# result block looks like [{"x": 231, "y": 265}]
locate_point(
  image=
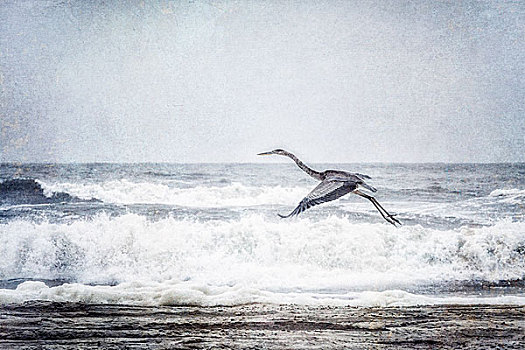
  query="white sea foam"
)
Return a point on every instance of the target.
[
  {"x": 179, "y": 293},
  {"x": 512, "y": 196},
  {"x": 259, "y": 254},
  {"x": 128, "y": 192},
  {"x": 506, "y": 192}
]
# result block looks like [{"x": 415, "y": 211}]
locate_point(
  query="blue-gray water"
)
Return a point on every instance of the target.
[{"x": 209, "y": 234}]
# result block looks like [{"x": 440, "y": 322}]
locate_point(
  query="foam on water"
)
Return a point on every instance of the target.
[
  {"x": 253, "y": 255},
  {"x": 178, "y": 293},
  {"x": 507, "y": 192},
  {"x": 513, "y": 196},
  {"x": 129, "y": 192}
]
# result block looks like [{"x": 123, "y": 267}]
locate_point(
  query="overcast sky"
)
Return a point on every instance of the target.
[{"x": 219, "y": 81}]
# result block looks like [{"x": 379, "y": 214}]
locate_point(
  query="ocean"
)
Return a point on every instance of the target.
[{"x": 209, "y": 235}]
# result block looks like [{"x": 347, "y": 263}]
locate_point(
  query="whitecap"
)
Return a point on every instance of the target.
[
  {"x": 129, "y": 192},
  {"x": 333, "y": 253}
]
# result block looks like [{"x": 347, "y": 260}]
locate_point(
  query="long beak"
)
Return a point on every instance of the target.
[{"x": 264, "y": 154}]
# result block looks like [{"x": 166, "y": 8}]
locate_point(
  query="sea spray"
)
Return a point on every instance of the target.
[
  {"x": 130, "y": 192},
  {"x": 332, "y": 253},
  {"x": 175, "y": 234}
]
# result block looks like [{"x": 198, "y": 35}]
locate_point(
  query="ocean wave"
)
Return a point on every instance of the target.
[
  {"x": 181, "y": 293},
  {"x": 512, "y": 196},
  {"x": 29, "y": 191},
  {"x": 507, "y": 192},
  {"x": 330, "y": 254},
  {"x": 128, "y": 192}
]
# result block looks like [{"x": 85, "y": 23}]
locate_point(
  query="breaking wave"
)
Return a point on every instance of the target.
[
  {"x": 29, "y": 191},
  {"x": 250, "y": 259},
  {"x": 512, "y": 196},
  {"x": 128, "y": 192}
]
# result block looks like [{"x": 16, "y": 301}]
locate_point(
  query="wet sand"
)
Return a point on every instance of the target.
[{"x": 50, "y": 325}]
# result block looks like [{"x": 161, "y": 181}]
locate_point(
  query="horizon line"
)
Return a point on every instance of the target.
[{"x": 278, "y": 162}]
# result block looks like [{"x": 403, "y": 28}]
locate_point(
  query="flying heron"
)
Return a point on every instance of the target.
[{"x": 334, "y": 184}]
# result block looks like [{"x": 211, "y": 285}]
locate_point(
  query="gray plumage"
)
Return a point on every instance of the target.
[{"x": 334, "y": 184}]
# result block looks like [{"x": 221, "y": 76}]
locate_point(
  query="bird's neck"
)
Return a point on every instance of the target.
[{"x": 315, "y": 174}]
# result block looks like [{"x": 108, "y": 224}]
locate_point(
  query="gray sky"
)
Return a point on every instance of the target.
[{"x": 219, "y": 81}]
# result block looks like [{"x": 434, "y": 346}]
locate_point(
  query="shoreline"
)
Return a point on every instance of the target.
[{"x": 45, "y": 324}]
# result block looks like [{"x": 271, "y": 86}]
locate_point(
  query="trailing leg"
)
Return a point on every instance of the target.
[{"x": 388, "y": 217}]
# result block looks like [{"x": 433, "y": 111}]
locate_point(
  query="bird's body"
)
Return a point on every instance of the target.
[{"x": 334, "y": 184}]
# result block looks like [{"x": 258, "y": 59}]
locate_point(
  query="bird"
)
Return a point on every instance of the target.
[{"x": 334, "y": 184}]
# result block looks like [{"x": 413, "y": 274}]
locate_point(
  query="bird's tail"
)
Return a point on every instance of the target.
[
  {"x": 368, "y": 187},
  {"x": 363, "y": 176}
]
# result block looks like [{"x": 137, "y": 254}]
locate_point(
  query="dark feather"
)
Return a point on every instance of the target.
[{"x": 326, "y": 191}]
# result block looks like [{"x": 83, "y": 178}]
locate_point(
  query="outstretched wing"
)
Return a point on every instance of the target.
[{"x": 326, "y": 191}]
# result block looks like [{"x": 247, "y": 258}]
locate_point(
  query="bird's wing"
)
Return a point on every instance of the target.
[{"x": 326, "y": 191}]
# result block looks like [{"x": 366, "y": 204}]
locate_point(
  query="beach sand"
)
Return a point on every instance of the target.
[{"x": 51, "y": 325}]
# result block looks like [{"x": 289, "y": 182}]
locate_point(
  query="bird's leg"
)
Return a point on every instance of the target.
[{"x": 388, "y": 217}]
